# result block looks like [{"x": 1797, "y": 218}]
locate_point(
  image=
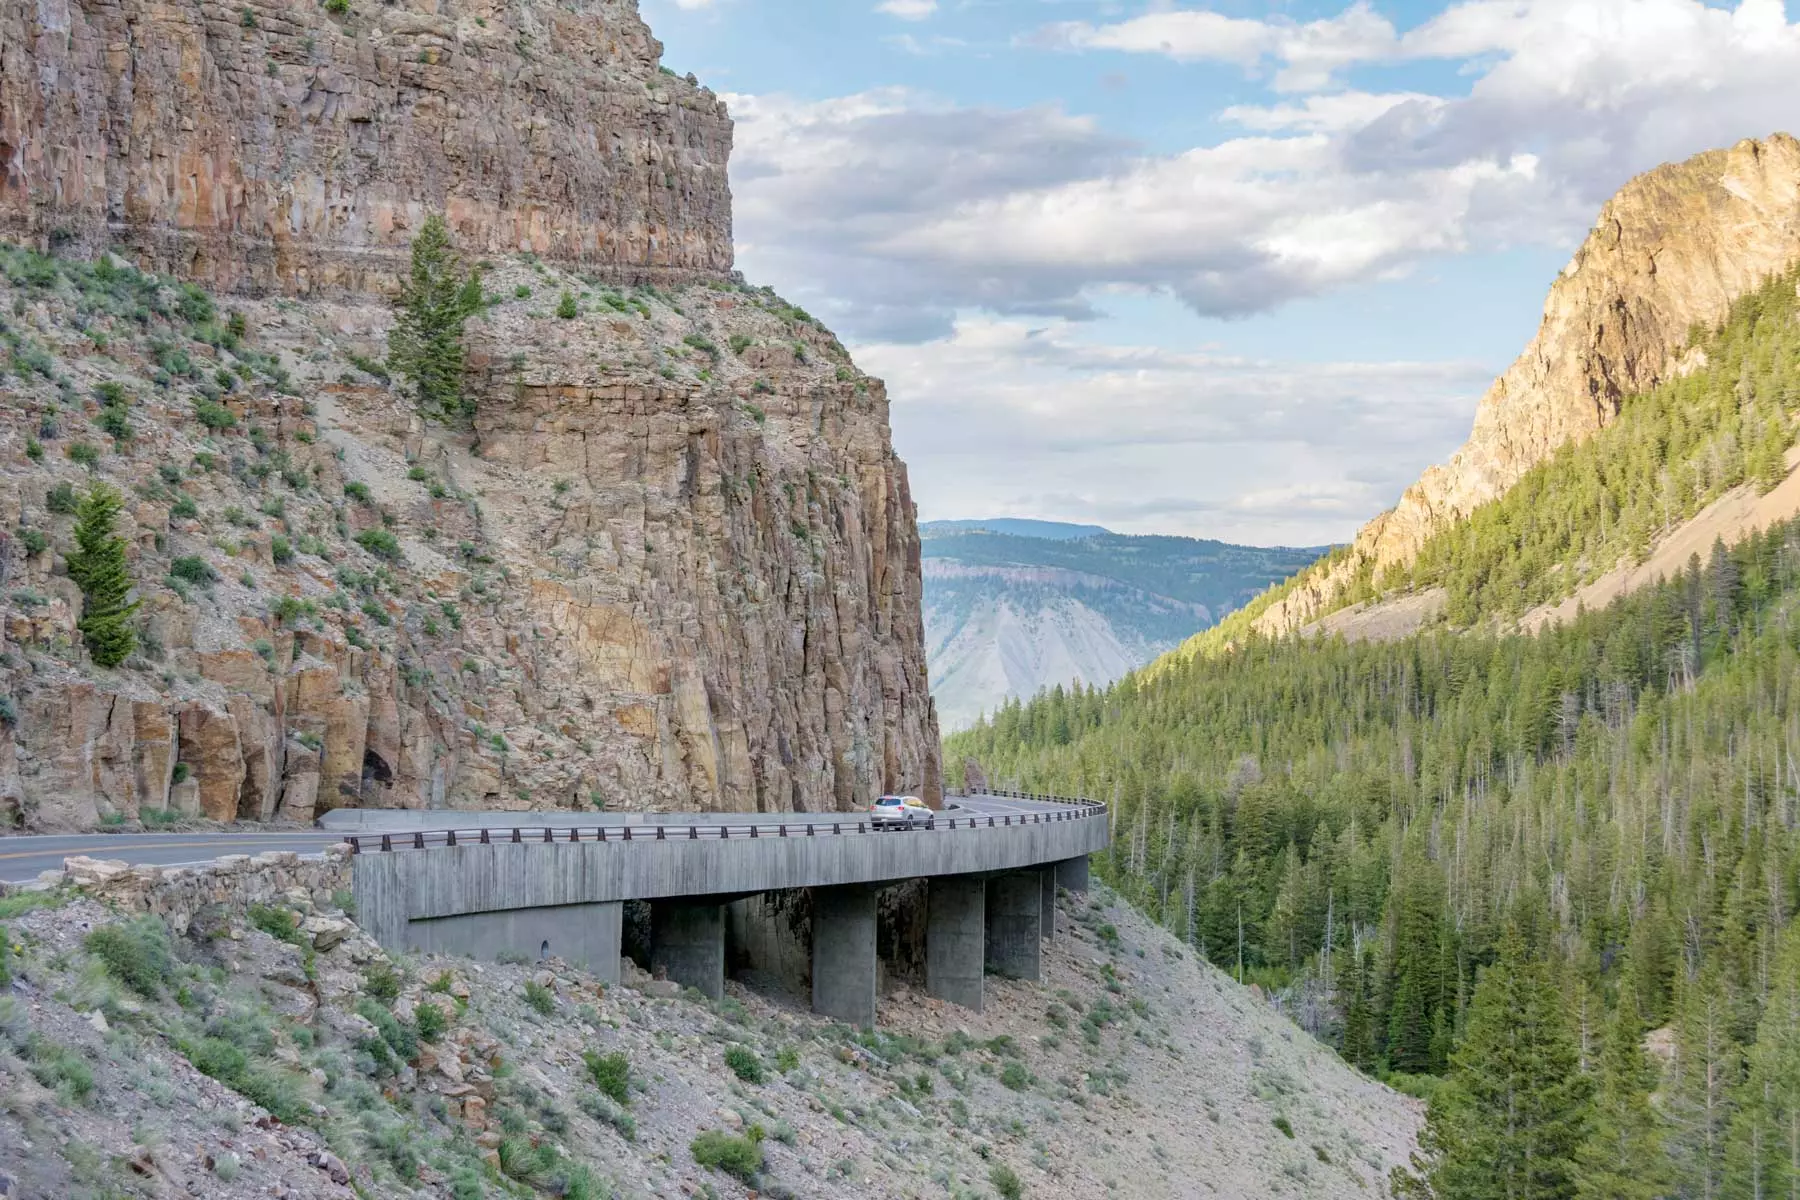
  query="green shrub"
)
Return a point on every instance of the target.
[
  {"x": 611, "y": 1073},
  {"x": 191, "y": 568},
  {"x": 135, "y": 952},
  {"x": 380, "y": 981},
  {"x": 369, "y": 366},
  {"x": 61, "y": 1068},
  {"x": 226, "y": 1062},
  {"x": 279, "y": 923},
  {"x": 184, "y": 509},
  {"x": 1283, "y": 1124},
  {"x": 1005, "y": 1181},
  {"x": 213, "y": 415},
  {"x": 523, "y": 1159},
  {"x": 115, "y": 423},
  {"x": 358, "y": 492},
  {"x": 431, "y": 1022},
  {"x": 62, "y": 499},
  {"x": 744, "y": 1063},
  {"x": 281, "y": 550},
  {"x": 34, "y": 541},
  {"x": 1015, "y": 1076},
  {"x": 194, "y": 306},
  {"x": 731, "y": 1153},
  {"x": 540, "y": 998},
  {"x": 380, "y": 543},
  {"x": 83, "y": 454},
  {"x": 400, "y": 1037},
  {"x": 606, "y": 1110},
  {"x": 566, "y": 307}
]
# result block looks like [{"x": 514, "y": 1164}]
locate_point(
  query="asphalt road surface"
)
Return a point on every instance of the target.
[{"x": 23, "y": 857}]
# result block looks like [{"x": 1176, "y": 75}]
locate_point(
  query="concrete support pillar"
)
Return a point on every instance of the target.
[
  {"x": 584, "y": 934},
  {"x": 1015, "y": 906},
  {"x": 1047, "y": 917},
  {"x": 956, "y": 939},
  {"x": 687, "y": 944},
  {"x": 1072, "y": 875},
  {"x": 844, "y": 964}
]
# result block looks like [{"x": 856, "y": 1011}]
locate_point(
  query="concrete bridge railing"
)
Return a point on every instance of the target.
[{"x": 542, "y": 891}]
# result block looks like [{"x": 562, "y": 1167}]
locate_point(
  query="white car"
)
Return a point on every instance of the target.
[{"x": 899, "y": 812}]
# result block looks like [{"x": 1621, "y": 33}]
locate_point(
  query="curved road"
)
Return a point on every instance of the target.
[{"x": 23, "y": 857}]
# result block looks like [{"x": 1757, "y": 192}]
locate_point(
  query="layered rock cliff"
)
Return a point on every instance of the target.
[
  {"x": 1669, "y": 252},
  {"x": 670, "y": 563},
  {"x": 284, "y": 147}
]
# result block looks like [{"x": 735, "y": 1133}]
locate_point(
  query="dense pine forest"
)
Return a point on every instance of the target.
[{"x": 1548, "y": 881}]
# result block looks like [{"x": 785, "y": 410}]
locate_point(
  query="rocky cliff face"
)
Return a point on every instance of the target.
[
  {"x": 283, "y": 147},
  {"x": 671, "y": 563},
  {"x": 1669, "y": 252}
]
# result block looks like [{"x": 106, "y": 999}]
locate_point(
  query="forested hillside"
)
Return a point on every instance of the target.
[
  {"x": 1361, "y": 825},
  {"x": 1724, "y": 422}
]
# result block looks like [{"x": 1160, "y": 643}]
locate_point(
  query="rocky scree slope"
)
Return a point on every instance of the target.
[
  {"x": 1668, "y": 254},
  {"x": 1134, "y": 1070},
  {"x": 672, "y": 562}
]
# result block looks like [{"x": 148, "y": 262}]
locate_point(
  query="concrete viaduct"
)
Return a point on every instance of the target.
[{"x": 992, "y": 865}]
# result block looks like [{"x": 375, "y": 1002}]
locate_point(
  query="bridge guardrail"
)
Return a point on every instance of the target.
[{"x": 1077, "y": 810}]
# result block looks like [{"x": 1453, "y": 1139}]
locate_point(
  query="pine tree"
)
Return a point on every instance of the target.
[
  {"x": 1359, "y": 1020},
  {"x": 1700, "y": 1094},
  {"x": 1417, "y": 980},
  {"x": 1509, "y": 1119},
  {"x": 1763, "y": 1157},
  {"x": 1624, "y": 1157},
  {"x": 99, "y": 568},
  {"x": 434, "y": 303}
]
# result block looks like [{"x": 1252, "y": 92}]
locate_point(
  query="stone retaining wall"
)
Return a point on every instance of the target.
[{"x": 237, "y": 881}]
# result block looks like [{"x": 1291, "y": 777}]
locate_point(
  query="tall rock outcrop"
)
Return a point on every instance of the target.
[
  {"x": 670, "y": 562},
  {"x": 280, "y": 146},
  {"x": 1669, "y": 252}
]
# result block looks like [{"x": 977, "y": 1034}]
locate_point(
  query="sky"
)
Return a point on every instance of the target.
[{"x": 1230, "y": 269}]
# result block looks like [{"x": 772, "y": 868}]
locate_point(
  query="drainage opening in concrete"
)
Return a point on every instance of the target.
[{"x": 543, "y": 951}]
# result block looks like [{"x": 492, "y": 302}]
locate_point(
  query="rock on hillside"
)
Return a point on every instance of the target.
[
  {"x": 657, "y": 572},
  {"x": 1669, "y": 252},
  {"x": 671, "y": 562},
  {"x": 1132, "y": 1070},
  {"x": 290, "y": 148}
]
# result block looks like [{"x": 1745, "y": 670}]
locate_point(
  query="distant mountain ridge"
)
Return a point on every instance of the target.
[
  {"x": 1057, "y": 531},
  {"x": 1013, "y": 606}
]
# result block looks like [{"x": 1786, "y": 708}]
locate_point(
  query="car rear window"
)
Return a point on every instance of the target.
[{"x": 888, "y": 800}]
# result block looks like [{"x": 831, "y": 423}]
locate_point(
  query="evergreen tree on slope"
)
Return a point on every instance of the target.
[
  {"x": 435, "y": 301},
  {"x": 1510, "y": 1117},
  {"x": 1624, "y": 1157},
  {"x": 99, "y": 567},
  {"x": 1763, "y": 1156}
]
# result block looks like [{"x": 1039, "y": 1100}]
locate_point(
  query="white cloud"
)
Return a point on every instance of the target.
[
  {"x": 1308, "y": 53},
  {"x": 1009, "y": 417},
  {"x": 907, "y": 10},
  {"x": 895, "y": 215},
  {"x": 896, "y": 210}
]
